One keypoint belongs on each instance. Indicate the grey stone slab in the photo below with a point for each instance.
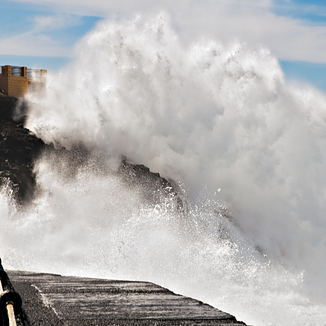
(50, 299)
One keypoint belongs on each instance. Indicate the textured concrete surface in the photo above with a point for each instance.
(50, 299)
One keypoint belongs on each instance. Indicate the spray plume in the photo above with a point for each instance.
(221, 120)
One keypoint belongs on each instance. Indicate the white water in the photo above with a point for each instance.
(218, 118)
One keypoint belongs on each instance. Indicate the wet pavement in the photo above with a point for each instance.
(50, 299)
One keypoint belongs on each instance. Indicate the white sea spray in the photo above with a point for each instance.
(220, 119)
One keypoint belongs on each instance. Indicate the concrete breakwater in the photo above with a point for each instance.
(50, 299)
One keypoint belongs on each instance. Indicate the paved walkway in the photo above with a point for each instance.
(50, 299)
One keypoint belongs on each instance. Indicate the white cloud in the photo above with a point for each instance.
(36, 42)
(127, 7)
(32, 44)
(290, 7)
(251, 21)
(54, 22)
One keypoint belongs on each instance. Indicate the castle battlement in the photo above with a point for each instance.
(16, 81)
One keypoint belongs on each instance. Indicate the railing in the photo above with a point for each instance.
(17, 71)
(10, 301)
(34, 73)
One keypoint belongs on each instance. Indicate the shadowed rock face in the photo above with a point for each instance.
(18, 150)
(60, 300)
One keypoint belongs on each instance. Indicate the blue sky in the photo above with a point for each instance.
(42, 33)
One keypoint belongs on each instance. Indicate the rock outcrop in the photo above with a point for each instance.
(18, 150)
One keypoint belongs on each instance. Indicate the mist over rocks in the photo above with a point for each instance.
(20, 148)
(154, 187)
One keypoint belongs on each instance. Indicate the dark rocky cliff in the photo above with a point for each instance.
(19, 149)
